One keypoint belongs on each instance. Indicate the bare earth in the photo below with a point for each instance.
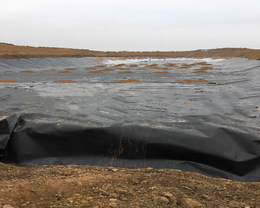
(96, 187)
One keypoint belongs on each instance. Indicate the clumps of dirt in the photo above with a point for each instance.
(70, 69)
(64, 72)
(200, 63)
(119, 65)
(64, 80)
(170, 64)
(188, 102)
(8, 71)
(191, 80)
(127, 81)
(100, 66)
(90, 68)
(8, 80)
(161, 72)
(133, 65)
(27, 71)
(50, 70)
(202, 70)
(73, 103)
(126, 72)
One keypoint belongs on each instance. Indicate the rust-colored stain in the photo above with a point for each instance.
(191, 80)
(27, 71)
(127, 80)
(64, 72)
(202, 70)
(119, 65)
(73, 103)
(162, 72)
(50, 70)
(125, 72)
(100, 66)
(70, 69)
(91, 69)
(189, 102)
(8, 80)
(170, 64)
(9, 71)
(133, 65)
(65, 80)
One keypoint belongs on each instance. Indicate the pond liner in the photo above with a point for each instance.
(215, 151)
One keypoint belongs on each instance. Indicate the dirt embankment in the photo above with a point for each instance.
(9, 51)
(96, 187)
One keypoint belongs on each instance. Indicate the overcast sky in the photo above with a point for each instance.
(141, 25)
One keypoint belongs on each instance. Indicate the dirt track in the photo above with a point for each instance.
(85, 186)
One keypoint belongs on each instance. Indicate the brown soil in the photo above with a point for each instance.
(152, 65)
(50, 70)
(100, 66)
(96, 187)
(70, 69)
(202, 70)
(170, 64)
(162, 72)
(133, 65)
(64, 72)
(125, 72)
(191, 80)
(141, 69)
(28, 71)
(9, 71)
(119, 65)
(184, 67)
(8, 80)
(127, 80)
(66, 80)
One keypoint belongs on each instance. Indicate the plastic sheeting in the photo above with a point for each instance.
(204, 121)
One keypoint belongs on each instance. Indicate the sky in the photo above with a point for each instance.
(131, 25)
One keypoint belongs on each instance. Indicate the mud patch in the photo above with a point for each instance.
(27, 71)
(8, 80)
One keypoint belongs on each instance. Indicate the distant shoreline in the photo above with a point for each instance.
(9, 51)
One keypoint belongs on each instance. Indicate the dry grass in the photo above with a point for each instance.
(127, 81)
(50, 70)
(65, 80)
(64, 72)
(27, 71)
(8, 80)
(191, 80)
(90, 68)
